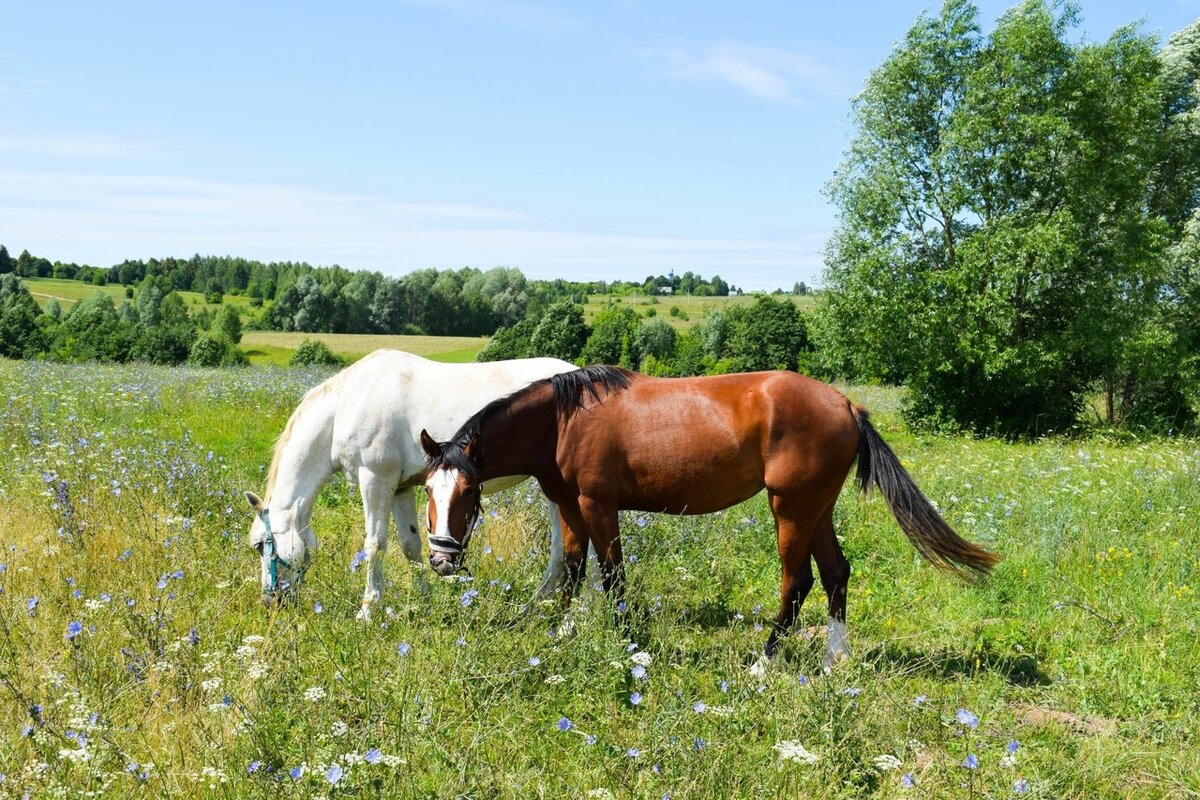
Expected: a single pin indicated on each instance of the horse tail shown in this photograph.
(934, 539)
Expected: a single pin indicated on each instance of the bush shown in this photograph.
(311, 353)
(207, 352)
(512, 342)
(164, 344)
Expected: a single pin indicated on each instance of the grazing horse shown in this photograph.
(364, 421)
(601, 439)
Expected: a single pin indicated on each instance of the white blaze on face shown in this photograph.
(441, 485)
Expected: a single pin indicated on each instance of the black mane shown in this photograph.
(571, 391)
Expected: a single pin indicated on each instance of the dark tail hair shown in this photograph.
(934, 539)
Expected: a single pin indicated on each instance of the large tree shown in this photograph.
(994, 245)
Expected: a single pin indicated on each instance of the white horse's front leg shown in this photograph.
(554, 569)
(377, 496)
(404, 509)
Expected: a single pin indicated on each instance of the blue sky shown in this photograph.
(596, 140)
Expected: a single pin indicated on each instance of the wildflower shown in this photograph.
(633, 752)
(162, 583)
(590, 739)
(403, 648)
(461, 641)
(125, 554)
(724, 686)
(641, 522)
(906, 780)
(373, 756)
(31, 605)
(296, 773)
(699, 707)
(74, 628)
(635, 698)
(795, 751)
(972, 762)
(697, 744)
(468, 597)
(886, 762)
(920, 700)
(334, 774)
(565, 724)
(357, 561)
(314, 694)
(177, 575)
(966, 718)
(253, 767)
(1012, 746)
(1020, 786)
(317, 607)
(641, 658)
(339, 728)
(227, 700)
(851, 692)
(534, 661)
(193, 637)
(638, 672)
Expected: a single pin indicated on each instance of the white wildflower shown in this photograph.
(314, 694)
(552, 679)
(339, 728)
(641, 658)
(601, 794)
(795, 751)
(886, 762)
(211, 685)
(253, 639)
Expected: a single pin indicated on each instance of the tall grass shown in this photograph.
(120, 511)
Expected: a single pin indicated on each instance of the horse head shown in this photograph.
(284, 546)
(454, 489)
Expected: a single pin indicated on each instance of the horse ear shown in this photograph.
(469, 447)
(255, 502)
(429, 445)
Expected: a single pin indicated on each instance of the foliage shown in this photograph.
(770, 334)
(20, 336)
(96, 330)
(314, 353)
(560, 333)
(512, 342)
(995, 248)
(612, 330)
(655, 339)
(215, 351)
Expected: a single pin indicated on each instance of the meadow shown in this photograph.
(692, 309)
(276, 347)
(138, 660)
(70, 292)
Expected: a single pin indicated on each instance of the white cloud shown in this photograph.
(99, 219)
(80, 146)
(779, 76)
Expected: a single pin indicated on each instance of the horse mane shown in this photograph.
(571, 391)
(311, 396)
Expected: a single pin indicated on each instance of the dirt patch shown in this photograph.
(1087, 725)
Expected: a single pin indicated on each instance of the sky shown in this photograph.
(586, 141)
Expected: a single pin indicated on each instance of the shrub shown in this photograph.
(311, 352)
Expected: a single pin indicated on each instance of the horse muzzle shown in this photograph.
(442, 564)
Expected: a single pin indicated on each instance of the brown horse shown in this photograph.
(601, 439)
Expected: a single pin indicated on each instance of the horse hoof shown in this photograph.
(364, 614)
(566, 629)
(833, 658)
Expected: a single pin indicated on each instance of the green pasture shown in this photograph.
(138, 661)
(276, 347)
(70, 292)
(692, 308)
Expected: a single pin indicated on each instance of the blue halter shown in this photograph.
(269, 552)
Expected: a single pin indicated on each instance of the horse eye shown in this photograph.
(259, 546)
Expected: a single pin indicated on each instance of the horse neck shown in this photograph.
(304, 460)
(519, 440)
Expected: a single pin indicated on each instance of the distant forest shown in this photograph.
(463, 302)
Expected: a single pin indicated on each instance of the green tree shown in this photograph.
(6, 262)
(312, 352)
(561, 332)
(612, 329)
(93, 330)
(653, 339)
(20, 336)
(994, 240)
(228, 324)
(771, 334)
(511, 342)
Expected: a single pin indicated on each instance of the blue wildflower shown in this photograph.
(590, 739)
(534, 661)
(373, 756)
(74, 628)
(1012, 746)
(1020, 786)
(699, 707)
(638, 671)
(906, 780)
(317, 607)
(295, 773)
(633, 752)
(31, 605)
(635, 698)
(468, 597)
(334, 774)
(403, 649)
(193, 637)
(966, 718)
(357, 561)
(851, 692)
(253, 767)
(162, 583)
(972, 762)
(125, 554)
(177, 574)
(565, 724)
(697, 744)
(920, 700)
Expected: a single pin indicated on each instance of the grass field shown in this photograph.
(137, 659)
(68, 293)
(693, 309)
(276, 347)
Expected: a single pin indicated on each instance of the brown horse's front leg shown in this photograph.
(575, 547)
(601, 519)
(796, 585)
(793, 531)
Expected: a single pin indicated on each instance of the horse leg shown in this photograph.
(794, 533)
(554, 569)
(404, 511)
(377, 494)
(605, 532)
(835, 576)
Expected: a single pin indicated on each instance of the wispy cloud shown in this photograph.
(101, 220)
(772, 74)
(80, 146)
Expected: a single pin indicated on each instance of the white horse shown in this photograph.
(366, 421)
